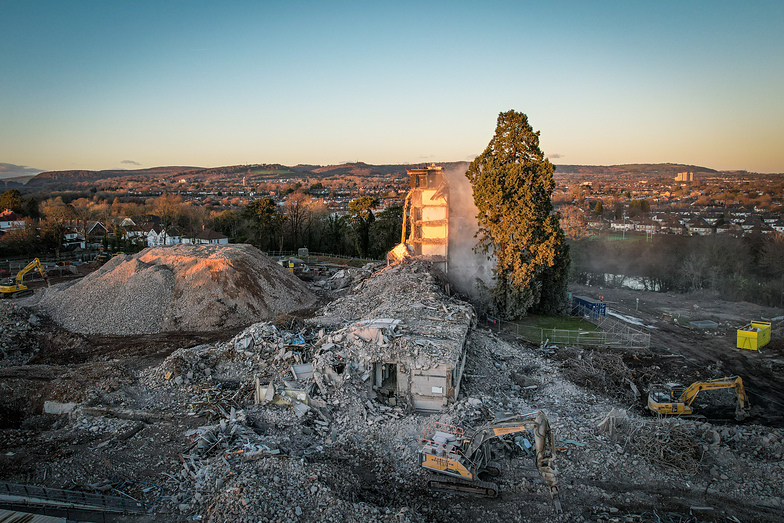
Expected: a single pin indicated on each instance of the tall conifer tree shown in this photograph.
(513, 183)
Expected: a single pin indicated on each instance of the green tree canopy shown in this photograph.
(513, 183)
(12, 199)
(266, 223)
(360, 217)
(385, 231)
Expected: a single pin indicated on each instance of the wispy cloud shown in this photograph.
(130, 162)
(9, 170)
(554, 156)
(426, 156)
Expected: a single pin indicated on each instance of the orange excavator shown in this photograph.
(458, 458)
(674, 399)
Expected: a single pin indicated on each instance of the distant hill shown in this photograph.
(16, 182)
(641, 169)
(73, 179)
(259, 173)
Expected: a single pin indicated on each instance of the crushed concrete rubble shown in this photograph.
(176, 288)
(220, 432)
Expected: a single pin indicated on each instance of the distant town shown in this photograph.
(164, 206)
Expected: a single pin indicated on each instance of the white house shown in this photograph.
(206, 236)
(10, 220)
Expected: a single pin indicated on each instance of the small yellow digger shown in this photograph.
(16, 287)
(674, 399)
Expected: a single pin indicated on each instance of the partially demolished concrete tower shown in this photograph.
(427, 212)
(439, 225)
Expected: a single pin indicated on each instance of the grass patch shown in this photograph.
(534, 328)
(571, 323)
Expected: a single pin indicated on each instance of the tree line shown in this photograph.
(747, 268)
(301, 220)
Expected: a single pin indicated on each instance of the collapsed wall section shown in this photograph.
(440, 225)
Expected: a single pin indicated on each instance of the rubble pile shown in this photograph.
(16, 325)
(281, 423)
(402, 309)
(345, 278)
(176, 288)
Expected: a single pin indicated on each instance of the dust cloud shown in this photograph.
(470, 271)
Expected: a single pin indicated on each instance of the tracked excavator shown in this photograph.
(16, 287)
(674, 399)
(458, 458)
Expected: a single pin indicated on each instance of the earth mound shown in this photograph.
(177, 288)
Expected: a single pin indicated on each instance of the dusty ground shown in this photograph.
(707, 353)
(138, 432)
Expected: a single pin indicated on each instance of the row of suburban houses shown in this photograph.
(690, 224)
(92, 233)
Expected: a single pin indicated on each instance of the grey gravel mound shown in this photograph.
(177, 288)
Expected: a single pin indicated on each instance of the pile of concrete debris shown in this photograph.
(16, 325)
(300, 422)
(177, 288)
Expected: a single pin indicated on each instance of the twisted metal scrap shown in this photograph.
(666, 444)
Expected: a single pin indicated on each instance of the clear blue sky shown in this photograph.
(103, 85)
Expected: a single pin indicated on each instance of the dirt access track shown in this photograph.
(705, 354)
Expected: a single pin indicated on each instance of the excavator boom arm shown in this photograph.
(734, 382)
(35, 264)
(535, 423)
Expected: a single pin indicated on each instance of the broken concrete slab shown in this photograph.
(56, 407)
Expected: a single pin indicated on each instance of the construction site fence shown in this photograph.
(43, 496)
(610, 333)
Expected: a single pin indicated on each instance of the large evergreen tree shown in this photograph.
(513, 183)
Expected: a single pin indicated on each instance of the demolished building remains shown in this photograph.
(409, 347)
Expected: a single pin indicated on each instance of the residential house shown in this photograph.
(647, 225)
(94, 233)
(10, 220)
(206, 236)
(730, 229)
(672, 225)
(698, 227)
(73, 239)
(621, 225)
(158, 236)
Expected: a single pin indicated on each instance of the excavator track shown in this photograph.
(479, 488)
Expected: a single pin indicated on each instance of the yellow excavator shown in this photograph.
(674, 399)
(458, 458)
(16, 287)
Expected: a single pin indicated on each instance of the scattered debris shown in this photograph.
(297, 420)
